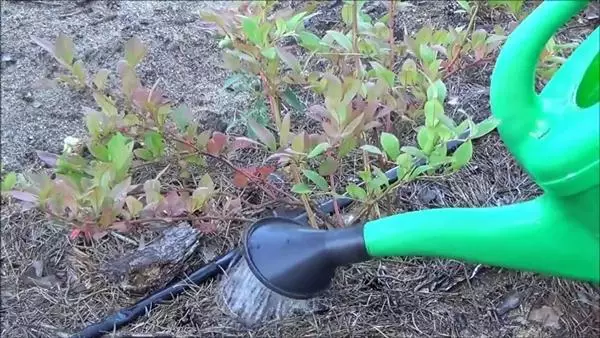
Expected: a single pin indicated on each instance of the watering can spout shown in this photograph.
(537, 236)
(513, 99)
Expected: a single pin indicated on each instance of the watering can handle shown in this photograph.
(513, 98)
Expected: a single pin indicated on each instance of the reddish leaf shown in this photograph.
(240, 180)
(244, 142)
(213, 147)
(218, 141)
(172, 205)
(265, 171)
(74, 234)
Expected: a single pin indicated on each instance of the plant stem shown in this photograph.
(391, 37)
(388, 118)
(336, 207)
(355, 37)
(272, 100)
(311, 216)
(462, 42)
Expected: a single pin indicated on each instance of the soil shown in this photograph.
(51, 287)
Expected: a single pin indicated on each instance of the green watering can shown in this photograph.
(554, 135)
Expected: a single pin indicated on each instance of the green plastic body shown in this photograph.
(554, 135)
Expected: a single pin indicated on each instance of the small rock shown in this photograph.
(427, 195)
(547, 316)
(8, 59)
(27, 97)
(510, 302)
(36, 104)
(144, 21)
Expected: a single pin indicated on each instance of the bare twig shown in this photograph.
(464, 40)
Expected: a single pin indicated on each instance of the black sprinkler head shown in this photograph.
(297, 261)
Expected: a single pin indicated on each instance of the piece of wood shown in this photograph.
(156, 264)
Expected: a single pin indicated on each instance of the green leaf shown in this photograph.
(293, 22)
(437, 91)
(155, 143)
(120, 154)
(99, 151)
(318, 150)
(316, 179)
(301, 188)
(284, 132)
(334, 87)
(465, 5)
(433, 109)
(108, 106)
(298, 143)
(135, 51)
(380, 179)
(64, 48)
(100, 79)
(486, 126)
(383, 73)
(270, 53)
(144, 154)
(390, 144)
(292, 99)
(134, 206)
(289, 59)
(347, 145)
(427, 54)
(356, 192)
(408, 73)
(371, 149)
(206, 181)
(263, 134)
(416, 152)
(347, 14)
(328, 167)
(404, 161)
(79, 71)
(425, 139)
(352, 86)
(341, 39)
(310, 41)
(9, 181)
(182, 116)
(252, 31)
(152, 191)
(462, 155)
(420, 170)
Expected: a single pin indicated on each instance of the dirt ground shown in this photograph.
(51, 286)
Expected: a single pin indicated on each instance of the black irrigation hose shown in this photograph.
(128, 315)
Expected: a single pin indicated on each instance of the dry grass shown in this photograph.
(410, 297)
